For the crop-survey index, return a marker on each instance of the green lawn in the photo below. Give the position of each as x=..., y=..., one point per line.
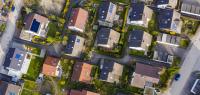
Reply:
x=34, y=50
x=184, y=43
x=34, y=68
x=136, y=52
x=30, y=88
x=189, y=26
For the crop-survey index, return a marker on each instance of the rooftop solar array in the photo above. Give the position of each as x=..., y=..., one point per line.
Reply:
x=160, y=2
x=137, y=11
x=136, y=38
x=197, y=88
x=35, y=26
x=106, y=67
x=70, y=44
x=103, y=10
x=103, y=35
x=191, y=8
x=165, y=18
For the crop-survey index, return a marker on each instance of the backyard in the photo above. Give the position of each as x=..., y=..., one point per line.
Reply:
x=34, y=68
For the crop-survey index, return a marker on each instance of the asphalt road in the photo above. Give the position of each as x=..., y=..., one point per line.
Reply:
x=190, y=64
x=7, y=36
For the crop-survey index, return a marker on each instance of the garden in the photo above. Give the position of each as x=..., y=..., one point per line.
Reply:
x=34, y=68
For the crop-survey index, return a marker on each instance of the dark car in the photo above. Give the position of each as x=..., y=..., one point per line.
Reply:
x=177, y=77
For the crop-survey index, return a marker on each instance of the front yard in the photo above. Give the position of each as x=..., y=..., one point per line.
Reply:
x=30, y=88
x=190, y=26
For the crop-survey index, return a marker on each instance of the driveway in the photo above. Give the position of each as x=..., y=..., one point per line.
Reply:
x=9, y=32
x=190, y=64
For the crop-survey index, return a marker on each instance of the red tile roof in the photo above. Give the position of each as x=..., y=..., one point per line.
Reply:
x=50, y=66
x=83, y=92
x=78, y=18
x=81, y=72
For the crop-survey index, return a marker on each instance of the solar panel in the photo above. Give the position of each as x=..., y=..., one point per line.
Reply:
x=35, y=26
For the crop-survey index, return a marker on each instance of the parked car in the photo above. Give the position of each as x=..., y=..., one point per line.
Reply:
x=177, y=77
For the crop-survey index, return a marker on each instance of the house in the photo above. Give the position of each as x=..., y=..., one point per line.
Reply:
x=107, y=12
x=166, y=3
x=168, y=39
x=139, y=14
x=145, y=75
x=75, y=46
x=82, y=72
x=163, y=56
x=51, y=67
x=110, y=71
x=148, y=2
x=9, y=89
x=196, y=87
x=139, y=40
x=83, y=92
x=169, y=20
x=191, y=8
x=17, y=62
x=107, y=38
x=35, y=25
x=78, y=20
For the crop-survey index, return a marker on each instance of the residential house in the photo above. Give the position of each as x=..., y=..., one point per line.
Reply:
x=196, y=87
x=83, y=92
x=168, y=39
x=139, y=14
x=107, y=38
x=35, y=25
x=191, y=8
x=17, y=62
x=145, y=75
x=163, y=56
x=166, y=3
x=169, y=20
x=75, y=46
x=78, y=20
x=51, y=67
x=148, y=2
x=110, y=71
x=107, y=13
x=9, y=89
x=82, y=72
x=139, y=40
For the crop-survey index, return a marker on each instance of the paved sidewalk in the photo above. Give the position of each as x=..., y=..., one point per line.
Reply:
x=7, y=36
x=190, y=64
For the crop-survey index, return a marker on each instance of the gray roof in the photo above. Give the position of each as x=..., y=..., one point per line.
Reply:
x=197, y=87
x=191, y=6
x=169, y=39
x=162, y=55
x=9, y=89
x=136, y=38
x=14, y=58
